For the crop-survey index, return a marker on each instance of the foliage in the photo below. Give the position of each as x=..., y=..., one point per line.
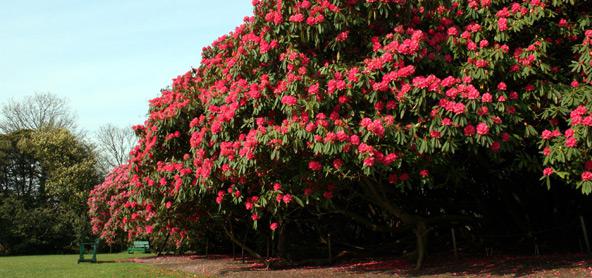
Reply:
x=45, y=178
x=312, y=106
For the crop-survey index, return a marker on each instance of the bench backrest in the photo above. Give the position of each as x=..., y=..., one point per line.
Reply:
x=141, y=244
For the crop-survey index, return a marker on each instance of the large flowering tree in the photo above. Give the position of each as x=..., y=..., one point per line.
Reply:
x=312, y=102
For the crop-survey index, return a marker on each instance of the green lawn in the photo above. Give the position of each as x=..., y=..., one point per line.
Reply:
x=109, y=265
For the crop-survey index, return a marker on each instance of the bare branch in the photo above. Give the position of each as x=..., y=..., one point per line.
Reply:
x=114, y=144
x=42, y=110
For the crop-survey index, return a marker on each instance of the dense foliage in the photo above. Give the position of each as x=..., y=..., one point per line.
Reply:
x=382, y=111
x=45, y=178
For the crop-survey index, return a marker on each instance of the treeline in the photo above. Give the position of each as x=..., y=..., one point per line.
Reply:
x=47, y=168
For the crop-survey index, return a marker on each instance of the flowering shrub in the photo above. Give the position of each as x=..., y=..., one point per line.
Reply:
x=106, y=203
x=309, y=101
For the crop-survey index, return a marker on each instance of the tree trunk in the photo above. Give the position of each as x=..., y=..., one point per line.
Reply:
x=421, y=233
x=281, y=245
x=239, y=243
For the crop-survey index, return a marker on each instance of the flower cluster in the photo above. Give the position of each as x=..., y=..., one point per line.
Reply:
x=307, y=96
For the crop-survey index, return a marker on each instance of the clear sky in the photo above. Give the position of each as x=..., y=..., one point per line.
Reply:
x=107, y=57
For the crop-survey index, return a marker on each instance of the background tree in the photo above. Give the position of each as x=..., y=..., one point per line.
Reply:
x=46, y=173
x=114, y=145
x=42, y=110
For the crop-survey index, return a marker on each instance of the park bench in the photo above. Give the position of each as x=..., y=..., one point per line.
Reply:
x=138, y=245
x=92, y=249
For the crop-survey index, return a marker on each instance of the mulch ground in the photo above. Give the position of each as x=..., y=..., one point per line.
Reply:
x=572, y=265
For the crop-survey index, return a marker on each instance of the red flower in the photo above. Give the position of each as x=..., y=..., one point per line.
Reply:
x=273, y=226
x=337, y=163
x=586, y=176
x=548, y=171
x=435, y=134
x=424, y=173
x=315, y=165
x=495, y=146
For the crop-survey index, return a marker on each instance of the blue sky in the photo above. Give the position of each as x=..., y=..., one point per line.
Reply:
x=107, y=57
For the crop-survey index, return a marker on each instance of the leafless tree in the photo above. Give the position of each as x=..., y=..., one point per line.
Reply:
x=114, y=145
x=37, y=111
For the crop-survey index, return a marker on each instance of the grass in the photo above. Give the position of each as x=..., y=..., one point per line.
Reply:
x=109, y=265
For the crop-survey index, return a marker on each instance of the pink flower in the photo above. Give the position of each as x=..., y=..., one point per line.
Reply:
x=287, y=198
x=342, y=36
x=273, y=226
x=289, y=100
x=486, y=98
x=369, y=161
x=149, y=228
x=548, y=171
x=546, y=135
x=168, y=204
x=482, y=129
x=390, y=158
x=502, y=24
x=354, y=139
x=277, y=186
x=571, y=142
x=297, y=18
x=255, y=216
x=575, y=84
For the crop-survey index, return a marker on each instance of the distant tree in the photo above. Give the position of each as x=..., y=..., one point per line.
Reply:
x=114, y=145
x=41, y=110
x=45, y=178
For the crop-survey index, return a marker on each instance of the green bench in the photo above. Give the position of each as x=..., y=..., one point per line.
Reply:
x=92, y=249
x=140, y=246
